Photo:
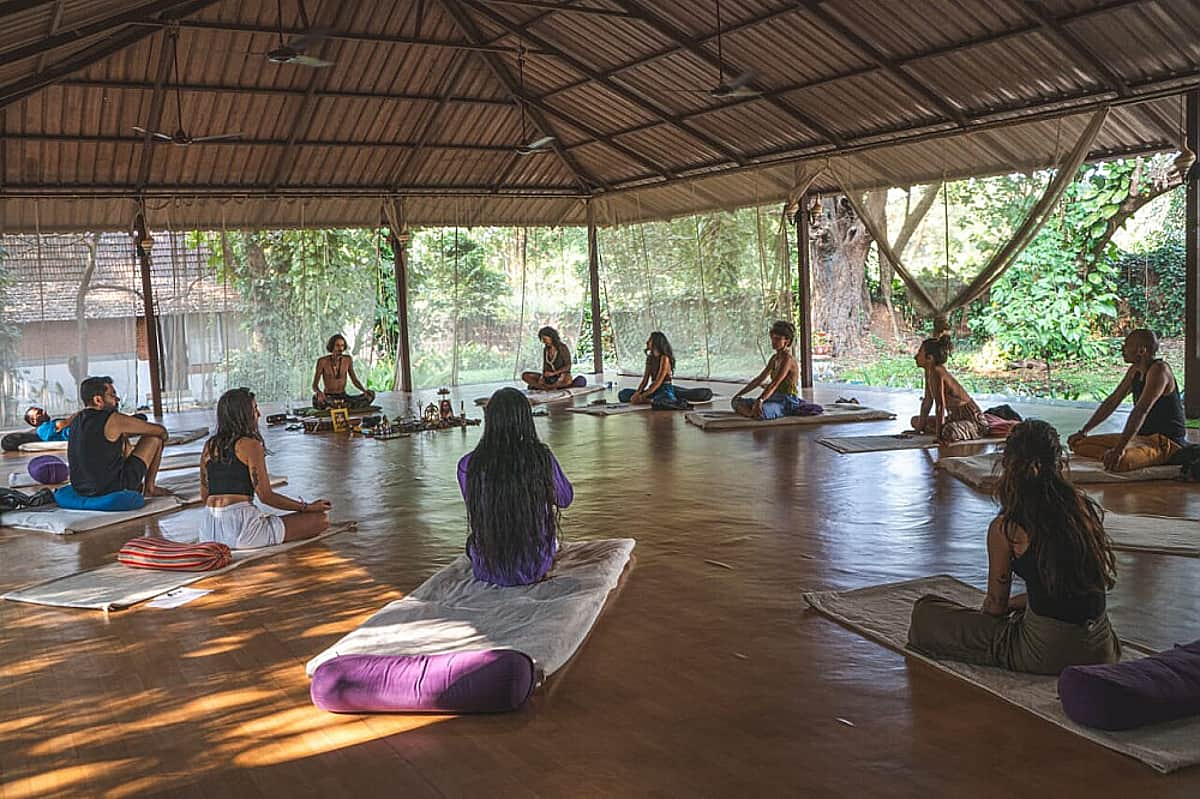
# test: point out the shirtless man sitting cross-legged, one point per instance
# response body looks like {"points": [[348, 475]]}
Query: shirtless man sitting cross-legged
{"points": [[333, 369], [1155, 430]]}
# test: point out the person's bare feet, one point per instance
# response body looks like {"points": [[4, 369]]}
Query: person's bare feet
{"points": [[156, 491]]}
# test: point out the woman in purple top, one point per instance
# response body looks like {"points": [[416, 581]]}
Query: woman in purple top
{"points": [[514, 489]]}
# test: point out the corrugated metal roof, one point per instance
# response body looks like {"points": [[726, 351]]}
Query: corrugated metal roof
{"points": [[420, 101]]}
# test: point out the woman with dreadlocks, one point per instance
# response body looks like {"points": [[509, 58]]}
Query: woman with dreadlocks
{"points": [[233, 471], [514, 489], [1050, 534]]}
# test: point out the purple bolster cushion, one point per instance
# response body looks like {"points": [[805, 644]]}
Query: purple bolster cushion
{"points": [[48, 470], [1121, 696], [490, 681], [579, 382]]}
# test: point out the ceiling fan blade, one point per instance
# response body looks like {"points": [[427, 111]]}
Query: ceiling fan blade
{"points": [[153, 133], [309, 61], [308, 40], [741, 80], [218, 137]]}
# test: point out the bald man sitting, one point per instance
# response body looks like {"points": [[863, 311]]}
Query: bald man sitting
{"points": [[1155, 430]]}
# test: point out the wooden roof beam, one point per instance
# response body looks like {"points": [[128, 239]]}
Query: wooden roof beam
{"points": [[979, 41], [84, 58], [450, 79], [212, 88], [166, 56], [100, 26], [557, 8], [65, 138], [243, 190], [1079, 52], [623, 92], [665, 27], [17, 6], [469, 29], [302, 121], [889, 65], [352, 36]]}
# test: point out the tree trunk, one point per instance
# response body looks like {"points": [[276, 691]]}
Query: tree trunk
{"points": [[839, 271], [92, 242]]}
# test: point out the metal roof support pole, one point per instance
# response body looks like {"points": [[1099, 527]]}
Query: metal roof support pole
{"points": [[142, 242], [804, 262], [1191, 226], [594, 280], [398, 238]]}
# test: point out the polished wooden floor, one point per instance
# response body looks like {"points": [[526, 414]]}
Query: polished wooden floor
{"points": [[697, 680]]}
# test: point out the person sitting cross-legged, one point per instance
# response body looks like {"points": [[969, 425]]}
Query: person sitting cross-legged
{"points": [[101, 458], [332, 372], [1156, 430]]}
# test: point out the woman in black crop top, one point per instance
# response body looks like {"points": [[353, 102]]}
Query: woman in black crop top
{"points": [[1050, 534], [233, 471]]}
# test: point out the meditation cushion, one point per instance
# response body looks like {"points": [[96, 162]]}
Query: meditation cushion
{"points": [[490, 681], [48, 469], [579, 382], [1121, 696], [13, 441], [158, 553], [67, 497]]}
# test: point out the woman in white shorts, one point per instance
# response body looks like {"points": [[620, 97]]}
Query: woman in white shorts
{"points": [[233, 471]]}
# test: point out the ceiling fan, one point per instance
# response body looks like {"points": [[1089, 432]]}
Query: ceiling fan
{"points": [[540, 145], [739, 86], [180, 137], [292, 52]]}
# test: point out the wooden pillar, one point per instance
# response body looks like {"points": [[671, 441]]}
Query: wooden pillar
{"points": [[594, 279], [399, 242], [1191, 227], [142, 242], [804, 265]]}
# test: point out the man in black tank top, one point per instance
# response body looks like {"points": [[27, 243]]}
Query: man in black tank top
{"points": [[99, 454], [1155, 430]]}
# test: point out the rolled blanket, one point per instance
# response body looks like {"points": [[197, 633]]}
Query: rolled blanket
{"points": [[158, 553]]}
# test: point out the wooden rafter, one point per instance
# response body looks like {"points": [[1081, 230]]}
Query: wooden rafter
{"points": [[302, 121], [691, 45], [450, 78], [889, 65], [237, 190], [497, 67], [1074, 46], [55, 21], [105, 25], [84, 58], [166, 55], [558, 8], [351, 36], [213, 88], [17, 6], [635, 98], [64, 138]]}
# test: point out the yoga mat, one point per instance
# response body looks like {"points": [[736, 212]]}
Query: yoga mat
{"points": [[169, 463], [544, 397], [882, 614], [113, 586], [851, 444], [454, 612], [1161, 535], [173, 439], [977, 471], [616, 408], [53, 519], [835, 413]]}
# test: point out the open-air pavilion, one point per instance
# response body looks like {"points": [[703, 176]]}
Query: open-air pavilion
{"points": [[706, 674]]}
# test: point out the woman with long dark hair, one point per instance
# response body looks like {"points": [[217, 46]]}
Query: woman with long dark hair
{"points": [[655, 385], [556, 363], [233, 471], [514, 489], [1051, 535]]}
